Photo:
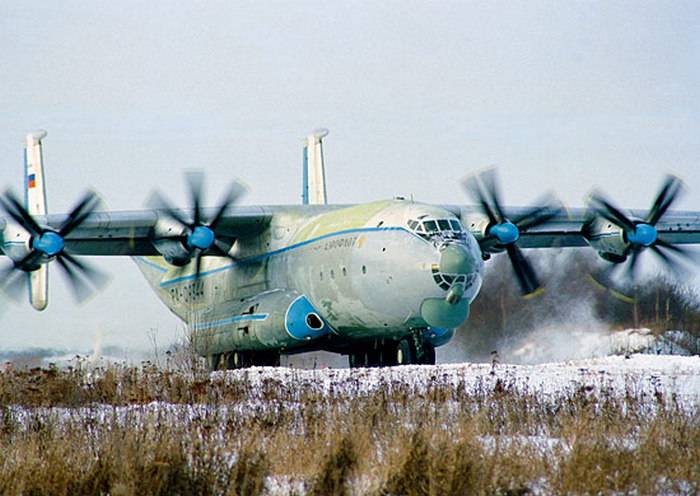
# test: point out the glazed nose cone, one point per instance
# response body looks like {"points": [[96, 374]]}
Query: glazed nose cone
{"points": [[456, 259], [451, 311]]}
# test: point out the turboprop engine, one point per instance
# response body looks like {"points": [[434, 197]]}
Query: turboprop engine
{"points": [[182, 236], [608, 239], [277, 319], [618, 236], [496, 233]]}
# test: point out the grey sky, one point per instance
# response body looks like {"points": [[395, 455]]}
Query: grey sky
{"points": [[558, 95]]}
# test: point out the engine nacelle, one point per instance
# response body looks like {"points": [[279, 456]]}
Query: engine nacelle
{"points": [[478, 224], [165, 234], [273, 320], [17, 243], [607, 238]]}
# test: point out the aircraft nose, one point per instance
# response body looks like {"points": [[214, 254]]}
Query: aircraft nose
{"points": [[453, 309], [456, 259]]}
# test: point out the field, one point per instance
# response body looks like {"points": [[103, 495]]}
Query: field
{"points": [[610, 425]]}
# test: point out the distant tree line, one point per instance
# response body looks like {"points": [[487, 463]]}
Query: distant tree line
{"points": [[572, 295]]}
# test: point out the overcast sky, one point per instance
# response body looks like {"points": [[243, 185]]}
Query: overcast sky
{"points": [[559, 95]]}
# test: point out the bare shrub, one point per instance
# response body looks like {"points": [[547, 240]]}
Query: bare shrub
{"points": [[146, 430], [336, 470]]}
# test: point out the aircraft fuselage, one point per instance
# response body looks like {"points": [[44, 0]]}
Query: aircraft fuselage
{"points": [[363, 270]]}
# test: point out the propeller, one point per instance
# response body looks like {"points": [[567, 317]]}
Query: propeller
{"points": [[503, 232], [642, 234], [48, 244], [203, 234]]}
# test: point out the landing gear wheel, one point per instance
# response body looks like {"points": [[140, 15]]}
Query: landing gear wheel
{"points": [[359, 359], [387, 355], [428, 357], [404, 353], [266, 359], [238, 360], [213, 362], [363, 358], [373, 358]]}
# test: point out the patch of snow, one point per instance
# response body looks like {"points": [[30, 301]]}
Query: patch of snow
{"points": [[555, 344]]}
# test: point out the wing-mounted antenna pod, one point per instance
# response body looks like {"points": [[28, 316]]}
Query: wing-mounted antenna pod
{"points": [[183, 236], [501, 233], [314, 169]]}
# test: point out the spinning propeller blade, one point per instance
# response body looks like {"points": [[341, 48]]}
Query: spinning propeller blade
{"points": [[203, 235], [642, 234], [48, 244], [503, 232]]}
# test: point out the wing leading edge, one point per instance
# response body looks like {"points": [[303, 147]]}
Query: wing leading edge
{"points": [[130, 233], [567, 228]]}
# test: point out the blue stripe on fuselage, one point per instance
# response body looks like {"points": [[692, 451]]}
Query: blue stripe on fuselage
{"points": [[153, 265], [230, 320], [263, 256]]}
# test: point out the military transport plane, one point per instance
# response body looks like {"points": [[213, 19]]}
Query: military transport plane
{"points": [[384, 283]]}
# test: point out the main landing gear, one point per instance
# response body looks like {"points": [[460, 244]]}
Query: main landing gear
{"points": [[407, 351], [243, 359]]}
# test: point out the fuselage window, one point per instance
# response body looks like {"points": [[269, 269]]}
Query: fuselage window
{"points": [[321, 275], [332, 274], [364, 269], [345, 272]]}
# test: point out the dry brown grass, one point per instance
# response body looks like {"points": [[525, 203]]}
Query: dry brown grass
{"points": [[97, 432]]}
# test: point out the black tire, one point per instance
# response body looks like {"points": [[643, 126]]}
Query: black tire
{"points": [[213, 362], [428, 357], [373, 358], [387, 355], [238, 359], [404, 353], [265, 359], [362, 359]]}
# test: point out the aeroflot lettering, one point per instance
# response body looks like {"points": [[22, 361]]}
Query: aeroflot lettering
{"points": [[335, 243]]}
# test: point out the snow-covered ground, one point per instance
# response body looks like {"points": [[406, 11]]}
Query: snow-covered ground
{"points": [[642, 376], [648, 380]]}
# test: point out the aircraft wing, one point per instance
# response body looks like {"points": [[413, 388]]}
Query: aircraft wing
{"points": [[129, 233], [566, 229]]}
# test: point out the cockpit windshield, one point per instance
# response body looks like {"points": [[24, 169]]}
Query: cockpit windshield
{"points": [[427, 228]]}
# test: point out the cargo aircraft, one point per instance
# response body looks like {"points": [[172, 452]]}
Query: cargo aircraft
{"points": [[384, 283]]}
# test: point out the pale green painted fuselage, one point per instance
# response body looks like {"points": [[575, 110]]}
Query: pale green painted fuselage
{"points": [[363, 270]]}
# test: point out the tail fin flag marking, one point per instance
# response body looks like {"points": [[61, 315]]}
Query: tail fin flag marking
{"points": [[35, 201]]}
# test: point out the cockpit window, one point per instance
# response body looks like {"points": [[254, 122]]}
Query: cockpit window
{"points": [[430, 226]]}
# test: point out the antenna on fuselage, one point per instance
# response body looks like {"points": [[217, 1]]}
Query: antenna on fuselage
{"points": [[313, 189]]}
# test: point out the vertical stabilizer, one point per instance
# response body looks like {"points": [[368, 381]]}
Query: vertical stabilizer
{"points": [[314, 172], [35, 201]]}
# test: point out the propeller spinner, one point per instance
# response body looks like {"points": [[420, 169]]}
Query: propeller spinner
{"points": [[203, 235], [503, 232], [47, 244]]}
